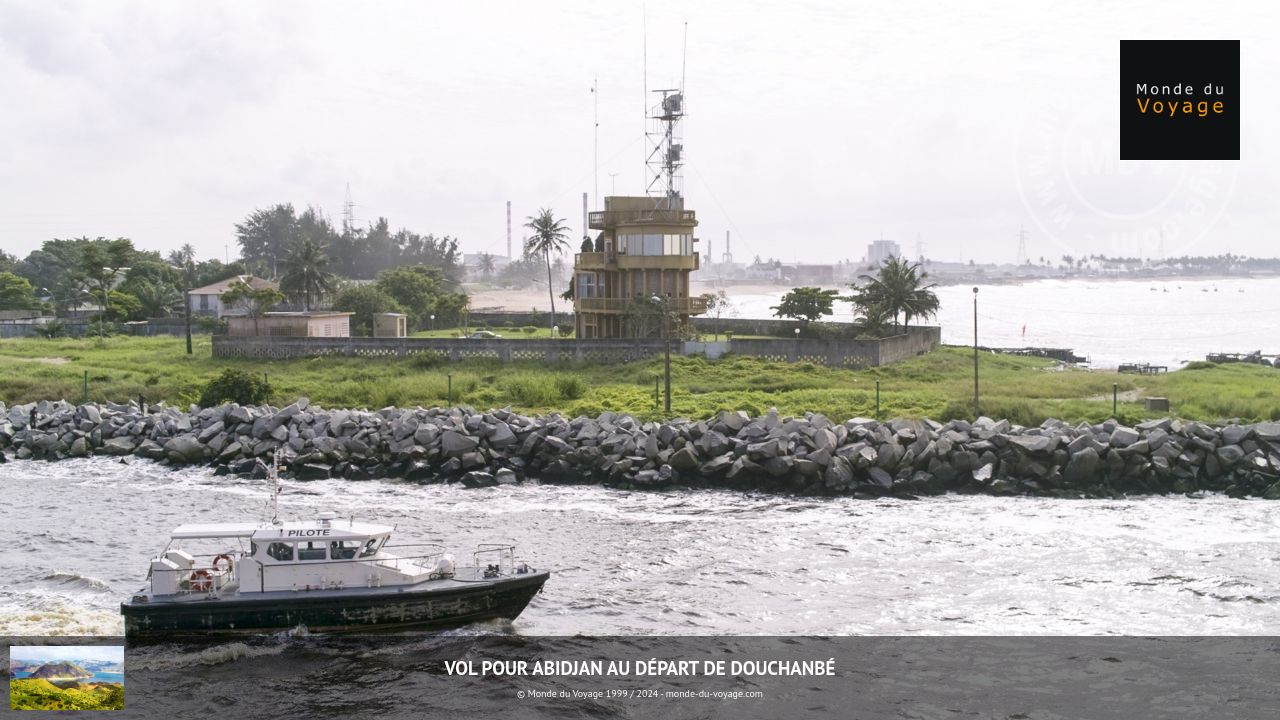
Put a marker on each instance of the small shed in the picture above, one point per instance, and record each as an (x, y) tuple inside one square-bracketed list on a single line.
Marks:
[(292, 324), (393, 325)]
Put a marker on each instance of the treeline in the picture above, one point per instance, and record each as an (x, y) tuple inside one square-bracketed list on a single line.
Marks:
[(267, 235), (110, 275)]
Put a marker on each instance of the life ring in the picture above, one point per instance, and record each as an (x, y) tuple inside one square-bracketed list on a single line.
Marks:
[(230, 562), (201, 581)]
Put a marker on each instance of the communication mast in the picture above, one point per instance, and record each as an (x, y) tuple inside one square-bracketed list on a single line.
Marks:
[(348, 213), (666, 148), (1022, 246)]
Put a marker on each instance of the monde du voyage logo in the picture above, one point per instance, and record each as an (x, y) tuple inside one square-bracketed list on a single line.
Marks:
[(1179, 99)]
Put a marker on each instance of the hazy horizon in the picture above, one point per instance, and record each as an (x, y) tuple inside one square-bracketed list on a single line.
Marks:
[(813, 128)]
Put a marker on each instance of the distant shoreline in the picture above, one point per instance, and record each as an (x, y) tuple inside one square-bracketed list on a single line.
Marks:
[(498, 300)]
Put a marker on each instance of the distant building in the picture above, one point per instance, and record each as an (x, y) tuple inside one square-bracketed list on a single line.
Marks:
[(207, 300), (292, 324), (769, 270), (880, 250), (809, 274), (390, 325), (647, 251), (471, 262)]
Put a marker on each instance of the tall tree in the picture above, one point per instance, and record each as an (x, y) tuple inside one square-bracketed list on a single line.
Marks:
[(486, 264), (16, 293), (7, 261), (806, 304), (255, 302), (306, 271), (183, 256), (157, 300), (366, 301), (897, 289), (100, 269), (421, 291), (718, 306), (549, 236), (264, 236)]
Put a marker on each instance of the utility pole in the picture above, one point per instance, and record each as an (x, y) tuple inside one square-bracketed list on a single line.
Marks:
[(595, 96), (509, 256), (976, 412), (187, 299), (664, 304)]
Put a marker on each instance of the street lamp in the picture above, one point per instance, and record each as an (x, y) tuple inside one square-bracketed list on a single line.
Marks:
[(976, 413), (666, 353), (433, 323), (796, 350)]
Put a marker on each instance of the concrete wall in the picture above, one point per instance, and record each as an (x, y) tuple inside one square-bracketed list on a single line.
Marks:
[(280, 348), (836, 353)]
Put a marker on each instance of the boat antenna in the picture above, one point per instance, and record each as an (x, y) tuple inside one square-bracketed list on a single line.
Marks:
[(274, 475)]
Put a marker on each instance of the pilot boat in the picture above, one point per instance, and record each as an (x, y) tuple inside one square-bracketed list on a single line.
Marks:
[(327, 574)]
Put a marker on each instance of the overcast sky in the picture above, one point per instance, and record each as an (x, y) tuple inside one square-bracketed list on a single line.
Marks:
[(813, 127), (47, 653)]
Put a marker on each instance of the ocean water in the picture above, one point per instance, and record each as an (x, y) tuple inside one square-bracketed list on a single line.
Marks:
[(1162, 322), (102, 677), (693, 562)]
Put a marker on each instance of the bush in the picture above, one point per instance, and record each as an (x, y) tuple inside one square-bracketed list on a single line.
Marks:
[(1200, 365), (528, 330), (236, 386), (50, 330), (211, 325), (101, 328), (570, 387)]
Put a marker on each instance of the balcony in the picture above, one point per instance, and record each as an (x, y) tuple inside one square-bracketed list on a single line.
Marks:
[(601, 219), (591, 261), (680, 306), (607, 261)]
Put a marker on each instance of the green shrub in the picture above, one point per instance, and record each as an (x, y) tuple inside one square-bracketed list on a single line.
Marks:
[(236, 386), (211, 325), (1200, 365), (101, 328), (50, 330), (570, 387), (528, 330)]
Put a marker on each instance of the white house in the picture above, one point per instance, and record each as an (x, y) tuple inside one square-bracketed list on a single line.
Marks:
[(207, 300)]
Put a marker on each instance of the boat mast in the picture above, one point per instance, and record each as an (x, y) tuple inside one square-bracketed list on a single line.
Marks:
[(274, 475)]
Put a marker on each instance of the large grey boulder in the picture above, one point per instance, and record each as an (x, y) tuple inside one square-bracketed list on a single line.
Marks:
[(454, 443), (184, 448)]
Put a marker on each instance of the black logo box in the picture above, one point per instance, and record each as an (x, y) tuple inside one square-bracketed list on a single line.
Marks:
[(1186, 65)]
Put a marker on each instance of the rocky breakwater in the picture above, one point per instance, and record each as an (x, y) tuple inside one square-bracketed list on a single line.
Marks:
[(809, 454)]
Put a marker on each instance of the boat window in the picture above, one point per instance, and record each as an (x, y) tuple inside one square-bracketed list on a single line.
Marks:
[(311, 552), (280, 551), (371, 547), (343, 549)]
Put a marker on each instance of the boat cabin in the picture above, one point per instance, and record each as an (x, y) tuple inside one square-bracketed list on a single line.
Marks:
[(325, 553)]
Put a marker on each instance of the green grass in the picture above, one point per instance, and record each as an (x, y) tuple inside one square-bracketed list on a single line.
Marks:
[(37, 694), (937, 385)]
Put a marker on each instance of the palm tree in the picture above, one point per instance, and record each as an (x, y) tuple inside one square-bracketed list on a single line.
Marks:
[(486, 264), (306, 273), (159, 300), (896, 289), (182, 257), (549, 235)]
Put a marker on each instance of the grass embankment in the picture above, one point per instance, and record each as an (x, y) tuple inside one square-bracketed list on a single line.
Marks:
[(40, 694), (937, 385)]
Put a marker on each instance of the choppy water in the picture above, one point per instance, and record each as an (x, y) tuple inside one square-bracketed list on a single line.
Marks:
[(1163, 322), (78, 534)]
